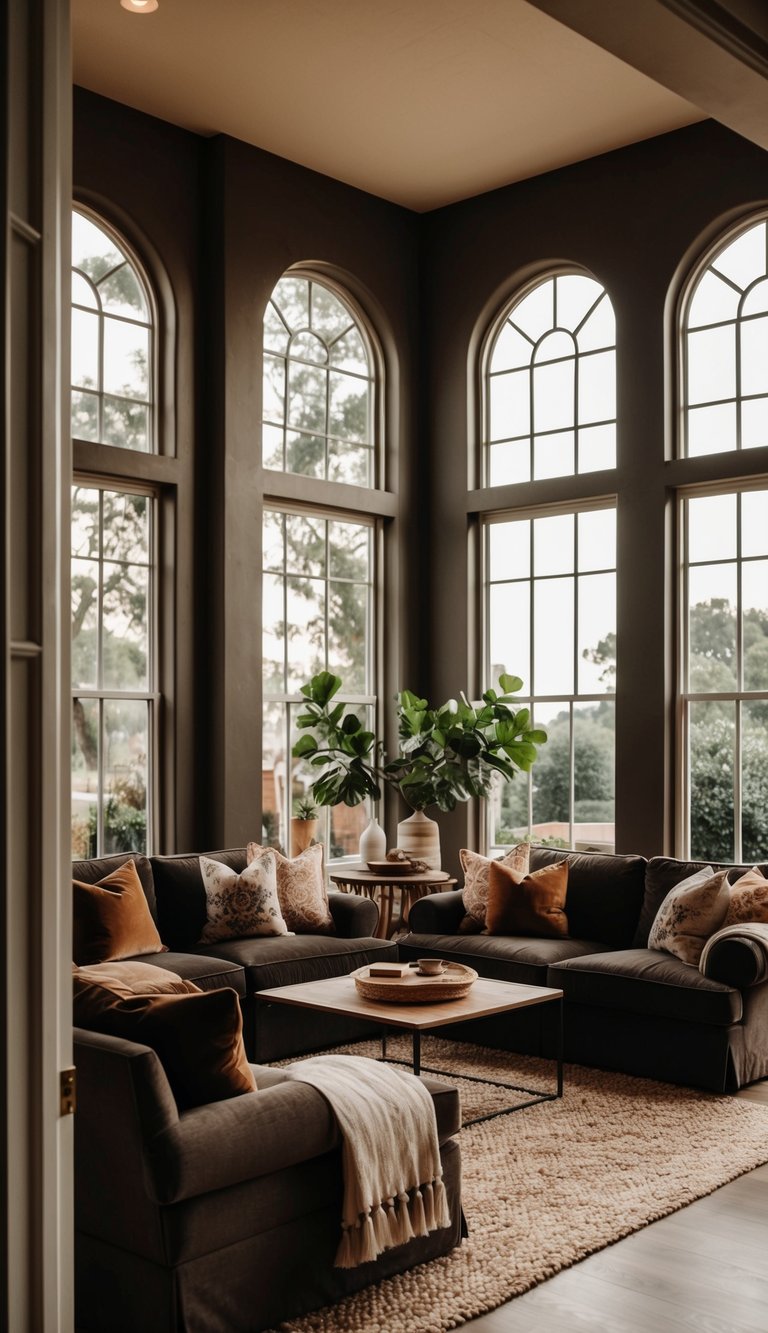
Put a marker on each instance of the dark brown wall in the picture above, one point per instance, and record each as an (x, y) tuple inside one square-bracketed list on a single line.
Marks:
[(633, 218)]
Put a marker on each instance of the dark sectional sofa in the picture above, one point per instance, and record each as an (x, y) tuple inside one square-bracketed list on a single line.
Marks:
[(174, 891), (627, 1007)]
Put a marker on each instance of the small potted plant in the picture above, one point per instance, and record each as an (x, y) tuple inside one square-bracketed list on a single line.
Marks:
[(303, 825)]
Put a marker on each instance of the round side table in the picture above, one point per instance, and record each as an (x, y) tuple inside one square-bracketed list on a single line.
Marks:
[(381, 889)]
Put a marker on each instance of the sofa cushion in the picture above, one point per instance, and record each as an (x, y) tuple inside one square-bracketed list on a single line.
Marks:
[(605, 893), (503, 957), (645, 981), (527, 904), (181, 910), (207, 972), (301, 889), (285, 960), (111, 918), (662, 874), (91, 871), (689, 914), (244, 904), (198, 1035)]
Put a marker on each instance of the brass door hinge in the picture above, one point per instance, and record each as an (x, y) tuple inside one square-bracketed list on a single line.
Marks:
[(67, 1091)]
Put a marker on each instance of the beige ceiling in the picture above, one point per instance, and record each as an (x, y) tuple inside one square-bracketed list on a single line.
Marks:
[(420, 101)]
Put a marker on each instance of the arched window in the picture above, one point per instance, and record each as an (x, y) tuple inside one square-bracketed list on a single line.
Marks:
[(550, 383), (725, 347), (318, 404), (112, 341)]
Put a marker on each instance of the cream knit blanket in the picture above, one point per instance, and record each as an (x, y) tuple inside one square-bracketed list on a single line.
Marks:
[(393, 1180)]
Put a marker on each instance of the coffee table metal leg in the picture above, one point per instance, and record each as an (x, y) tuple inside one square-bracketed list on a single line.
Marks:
[(416, 1051), (560, 1034)]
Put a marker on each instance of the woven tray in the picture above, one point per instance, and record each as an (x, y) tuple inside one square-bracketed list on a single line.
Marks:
[(451, 984)]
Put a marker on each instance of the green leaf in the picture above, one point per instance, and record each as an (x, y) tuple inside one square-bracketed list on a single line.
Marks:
[(510, 684), (305, 745), (323, 686), (538, 736)]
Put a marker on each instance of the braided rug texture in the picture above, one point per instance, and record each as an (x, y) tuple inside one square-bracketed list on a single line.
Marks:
[(548, 1185)]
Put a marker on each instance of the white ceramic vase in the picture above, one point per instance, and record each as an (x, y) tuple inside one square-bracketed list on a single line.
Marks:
[(373, 843), (419, 836)]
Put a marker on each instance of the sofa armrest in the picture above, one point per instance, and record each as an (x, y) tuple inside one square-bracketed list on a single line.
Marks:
[(437, 913), (737, 956), (354, 916)]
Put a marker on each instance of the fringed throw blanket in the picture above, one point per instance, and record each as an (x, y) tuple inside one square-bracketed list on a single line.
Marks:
[(393, 1180)]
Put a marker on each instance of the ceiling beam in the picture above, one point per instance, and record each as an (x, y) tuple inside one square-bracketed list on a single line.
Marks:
[(713, 53)]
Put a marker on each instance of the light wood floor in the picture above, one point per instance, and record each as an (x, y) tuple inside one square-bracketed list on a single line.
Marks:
[(703, 1269)]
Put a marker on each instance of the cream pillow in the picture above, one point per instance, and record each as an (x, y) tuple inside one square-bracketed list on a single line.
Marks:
[(241, 905), (476, 881), (691, 912), (748, 899), (301, 890)]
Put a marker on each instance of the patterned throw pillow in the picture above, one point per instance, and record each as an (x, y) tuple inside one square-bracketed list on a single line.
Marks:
[(476, 880), (241, 905), (301, 890), (748, 899), (691, 912)]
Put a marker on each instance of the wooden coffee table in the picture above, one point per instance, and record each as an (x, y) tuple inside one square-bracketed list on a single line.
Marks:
[(339, 995)]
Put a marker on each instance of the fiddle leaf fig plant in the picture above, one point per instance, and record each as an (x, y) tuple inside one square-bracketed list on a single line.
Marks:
[(446, 755)]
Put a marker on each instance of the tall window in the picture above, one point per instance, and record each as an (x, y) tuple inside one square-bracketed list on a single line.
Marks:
[(725, 348), (112, 341), (317, 615), (550, 390), (318, 399), (113, 669), (550, 617), (725, 674)]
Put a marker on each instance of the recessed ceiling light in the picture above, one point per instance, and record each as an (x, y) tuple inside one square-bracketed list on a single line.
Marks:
[(139, 6)]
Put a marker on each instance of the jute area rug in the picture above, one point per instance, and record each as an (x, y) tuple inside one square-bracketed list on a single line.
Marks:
[(548, 1185)]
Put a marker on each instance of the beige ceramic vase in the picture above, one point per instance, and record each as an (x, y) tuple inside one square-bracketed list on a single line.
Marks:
[(419, 836)]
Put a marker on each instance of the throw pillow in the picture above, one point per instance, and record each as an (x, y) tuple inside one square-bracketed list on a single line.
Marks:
[(198, 1035), (528, 904), (748, 899), (301, 890), (476, 870), (241, 905), (111, 919), (691, 912)]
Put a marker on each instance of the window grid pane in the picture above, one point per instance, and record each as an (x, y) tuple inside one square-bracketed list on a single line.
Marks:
[(550, 618), (318, 386), (113, 358), (725, 675), (113, 671), (550, 384), (318, 615)]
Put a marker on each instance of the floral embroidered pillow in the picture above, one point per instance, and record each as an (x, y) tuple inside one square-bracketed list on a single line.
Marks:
[(241, 905), (748, 899), (691, 912), (476, 882), (301, 890)]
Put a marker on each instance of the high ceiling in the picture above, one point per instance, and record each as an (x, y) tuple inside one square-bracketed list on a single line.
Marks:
[(419, 101)]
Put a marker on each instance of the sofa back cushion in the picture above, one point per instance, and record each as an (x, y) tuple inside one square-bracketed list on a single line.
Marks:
[(98, 867), (605, 893), (662, 874), (180, 892), (111, 919)]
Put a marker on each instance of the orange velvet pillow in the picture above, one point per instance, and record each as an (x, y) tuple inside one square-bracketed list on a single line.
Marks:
[(198, 1035), (528, 904), (112, 919)]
